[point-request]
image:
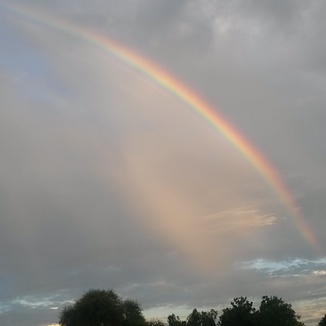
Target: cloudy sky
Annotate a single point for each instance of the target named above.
(110, 180)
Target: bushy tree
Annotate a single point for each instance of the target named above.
(154, 322)
(274, 311)
(241, 313)
(322, 321)
(208, 318)
(174, 320)
(203, 318)
(132, 314)
(68, 316)
(194, 319)
(102, 308)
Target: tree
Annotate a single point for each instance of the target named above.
(208, 318)
(241, 313)
(274, 311)
(132, 314)
(68, 316)
(174, 320)
(204, 318)
(322, 321)
(154, 322)
(102, 308)
(194, 319)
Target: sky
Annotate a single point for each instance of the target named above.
(113, 177)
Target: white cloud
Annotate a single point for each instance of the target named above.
(296, 265)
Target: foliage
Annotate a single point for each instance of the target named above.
(195, 318)
(322, 321)
(174, 320)
(208, 318)
(102, 308)
(241, 313)
(106, 308)
(204, 318)
(274, 311)
(132, 314)
(154, 322)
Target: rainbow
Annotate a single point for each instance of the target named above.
(170, 83)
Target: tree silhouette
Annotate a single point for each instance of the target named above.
(274, 311)
(106, 308)
(194, 319)
(102, 308)
(132, 314)
(208, 318)
(174, 320)
(241, 313)
(322, 321)
(154, 322)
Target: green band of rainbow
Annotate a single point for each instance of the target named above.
(184, 94)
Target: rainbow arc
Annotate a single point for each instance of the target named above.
(170, 83)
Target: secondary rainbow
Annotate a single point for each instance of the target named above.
(184, 94)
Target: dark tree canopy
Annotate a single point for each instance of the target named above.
(241, 313)
(194, 319)
(154, 322)
(132, 314)
(174, 320)
(204, 318)
(274, 311)
(322, 321)
(102, 308)
(208, 318)
(106, 308)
